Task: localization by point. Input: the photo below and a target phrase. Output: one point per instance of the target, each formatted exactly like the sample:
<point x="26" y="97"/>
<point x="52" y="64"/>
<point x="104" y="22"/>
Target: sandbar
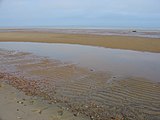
<point x="137" y="43"/>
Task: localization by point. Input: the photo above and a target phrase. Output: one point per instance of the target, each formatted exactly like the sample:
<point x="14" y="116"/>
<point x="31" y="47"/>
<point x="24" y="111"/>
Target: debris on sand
<point x="134" y="31"/>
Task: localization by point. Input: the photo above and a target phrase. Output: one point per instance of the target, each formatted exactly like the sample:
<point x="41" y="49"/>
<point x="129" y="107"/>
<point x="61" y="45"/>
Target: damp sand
<point x="97" y="95"/>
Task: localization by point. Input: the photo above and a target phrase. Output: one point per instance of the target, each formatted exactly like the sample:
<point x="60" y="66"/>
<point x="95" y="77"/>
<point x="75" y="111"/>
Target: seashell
<point x="19" y="117"/>
<point x="37" y="111"/>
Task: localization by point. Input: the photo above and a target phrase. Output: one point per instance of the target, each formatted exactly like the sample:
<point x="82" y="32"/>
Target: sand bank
<point x="97" y="95"/>
<point x="116" y="42"/>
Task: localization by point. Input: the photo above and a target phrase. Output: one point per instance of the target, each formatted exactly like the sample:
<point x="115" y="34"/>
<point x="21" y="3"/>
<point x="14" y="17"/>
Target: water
<point x="118" y="62"/>
<point x="140" y="32"/>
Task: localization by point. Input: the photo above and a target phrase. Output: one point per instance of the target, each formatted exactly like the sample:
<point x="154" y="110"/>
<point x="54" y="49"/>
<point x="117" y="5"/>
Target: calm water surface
<point x="118" y="62"/>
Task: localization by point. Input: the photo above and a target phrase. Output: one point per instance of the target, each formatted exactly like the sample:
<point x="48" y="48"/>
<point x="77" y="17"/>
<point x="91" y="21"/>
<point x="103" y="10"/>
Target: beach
<point x="15" y="105"/>
<point x="117" y="41"/>
<point x="46" y="88"/>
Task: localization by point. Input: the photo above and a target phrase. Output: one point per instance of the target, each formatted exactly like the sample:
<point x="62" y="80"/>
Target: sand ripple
<point x="96" y="94"/>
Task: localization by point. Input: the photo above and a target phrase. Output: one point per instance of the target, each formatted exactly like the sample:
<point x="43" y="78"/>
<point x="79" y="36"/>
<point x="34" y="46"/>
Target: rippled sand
<point x="83" y="91"/>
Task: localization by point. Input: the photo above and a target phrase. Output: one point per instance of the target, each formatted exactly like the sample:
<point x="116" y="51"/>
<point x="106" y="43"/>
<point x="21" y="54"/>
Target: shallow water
<point x="118" y="62"/>
<point x="150" y="33"/>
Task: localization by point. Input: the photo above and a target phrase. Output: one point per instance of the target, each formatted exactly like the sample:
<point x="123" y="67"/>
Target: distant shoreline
<point x="137" y="32"/>
<point x="80" y="27"/>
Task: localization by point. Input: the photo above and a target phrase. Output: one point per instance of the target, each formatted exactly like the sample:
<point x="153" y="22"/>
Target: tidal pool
<point x="116" y="61"/>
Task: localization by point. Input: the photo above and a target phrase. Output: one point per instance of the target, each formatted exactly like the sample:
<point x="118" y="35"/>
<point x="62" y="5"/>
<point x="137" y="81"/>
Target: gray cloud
<point x="79" y="12"/>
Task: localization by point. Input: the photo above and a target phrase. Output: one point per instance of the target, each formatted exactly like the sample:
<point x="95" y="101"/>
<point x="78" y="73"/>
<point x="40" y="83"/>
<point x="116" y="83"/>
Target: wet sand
<point x="79" y="37"/>
<point x="30" y="83"/>
<point x="15" y="105"/>
<point x="98" y="95"/>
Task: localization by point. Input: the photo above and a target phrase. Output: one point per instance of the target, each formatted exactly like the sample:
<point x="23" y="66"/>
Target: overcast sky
<point x="91" y="13"/>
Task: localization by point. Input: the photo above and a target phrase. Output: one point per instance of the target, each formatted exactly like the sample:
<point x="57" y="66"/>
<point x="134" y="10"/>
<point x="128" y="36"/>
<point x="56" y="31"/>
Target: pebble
<point x="86" y="106"/>
<point x="20" y="102"/>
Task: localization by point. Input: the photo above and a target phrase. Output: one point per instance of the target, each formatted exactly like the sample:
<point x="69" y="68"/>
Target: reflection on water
<point x="119" y="62"/>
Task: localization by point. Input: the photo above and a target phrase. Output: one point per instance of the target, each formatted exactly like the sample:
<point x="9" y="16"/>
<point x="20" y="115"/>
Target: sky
<point x="80" y="13"/>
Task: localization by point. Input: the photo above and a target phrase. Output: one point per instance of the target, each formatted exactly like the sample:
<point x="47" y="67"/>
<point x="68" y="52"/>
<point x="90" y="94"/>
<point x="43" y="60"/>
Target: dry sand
<point x="117" y="42"/>
<point x="97" y="95"/>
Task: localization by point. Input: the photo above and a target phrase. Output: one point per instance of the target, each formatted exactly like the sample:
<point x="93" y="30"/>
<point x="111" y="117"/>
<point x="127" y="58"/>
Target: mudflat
<point x="87" y="94"/>
<point x="109" y="41"/>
